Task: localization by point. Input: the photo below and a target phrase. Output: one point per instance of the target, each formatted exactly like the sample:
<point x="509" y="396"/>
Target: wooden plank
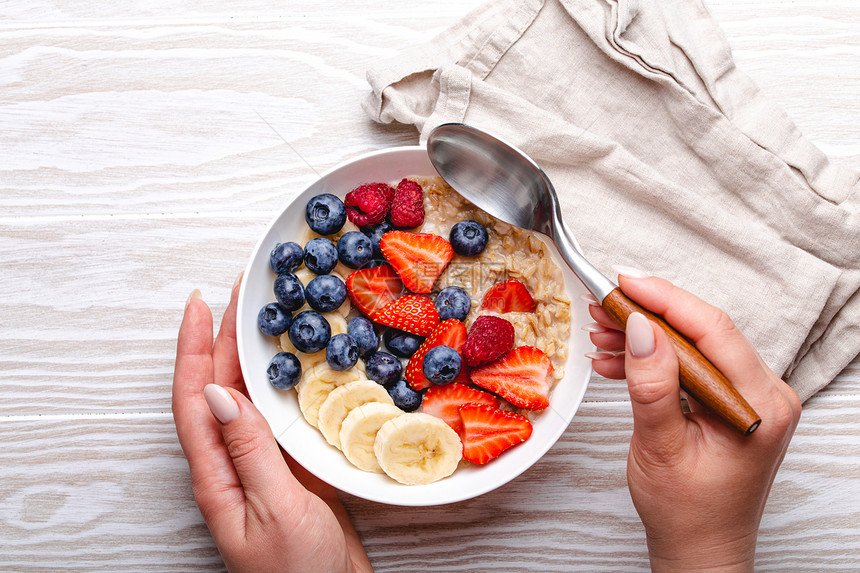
<point x="144" y="152"/>
<point x="111" y="492"/>
<point x="98" y="493"/>
<point x="95" y="328"/>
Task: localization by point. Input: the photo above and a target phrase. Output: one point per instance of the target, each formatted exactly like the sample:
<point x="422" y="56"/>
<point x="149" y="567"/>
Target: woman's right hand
<point x="699" y="486"/>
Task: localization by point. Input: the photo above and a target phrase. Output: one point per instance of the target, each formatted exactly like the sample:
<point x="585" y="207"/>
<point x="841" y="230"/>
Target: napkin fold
<point x="665" y="156"/>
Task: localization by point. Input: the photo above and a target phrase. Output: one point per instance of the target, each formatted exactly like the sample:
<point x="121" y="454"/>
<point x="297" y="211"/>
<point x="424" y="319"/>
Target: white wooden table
<point x="143" y="150"/>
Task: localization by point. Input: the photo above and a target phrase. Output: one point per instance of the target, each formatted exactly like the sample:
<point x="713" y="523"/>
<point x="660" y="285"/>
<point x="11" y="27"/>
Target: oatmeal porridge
<point x="415" y="403"/>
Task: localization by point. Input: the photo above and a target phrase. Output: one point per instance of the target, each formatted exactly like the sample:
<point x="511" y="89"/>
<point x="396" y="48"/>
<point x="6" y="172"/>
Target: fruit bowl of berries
<point x="403" y="345"/>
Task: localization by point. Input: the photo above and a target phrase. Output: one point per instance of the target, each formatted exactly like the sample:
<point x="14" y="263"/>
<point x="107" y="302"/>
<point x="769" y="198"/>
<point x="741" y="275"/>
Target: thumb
<point x="651" y="367"/>
<point x="258" y="461"/>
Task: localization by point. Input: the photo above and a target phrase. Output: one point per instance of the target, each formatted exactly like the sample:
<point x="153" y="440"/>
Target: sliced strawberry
<point x="522" y="377"/>
<point x="418" y="258"/>
<point x="489" y="338"/>
<point x="508" y="296"/>
<point x="449" y="332"/>
<point x="445" y="401"/>
<point x="488" y="431"/>
<point x="413" y="313"/>
<point x="372" y="289"/>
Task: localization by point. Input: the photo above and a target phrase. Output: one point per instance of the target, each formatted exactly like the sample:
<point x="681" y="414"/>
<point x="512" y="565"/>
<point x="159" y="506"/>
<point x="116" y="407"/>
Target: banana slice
<point x="341" y="400"/>
<point x="338" y="326"/>
<point x="358" y="433"/>
<point x="342" y="270"/>
<point x="305" y="275"/>
<point x="317" y="383"/>
<point x="417" y="449"/>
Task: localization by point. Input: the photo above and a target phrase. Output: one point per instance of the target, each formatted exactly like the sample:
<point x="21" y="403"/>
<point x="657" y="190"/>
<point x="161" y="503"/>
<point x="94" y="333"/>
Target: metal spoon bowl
<point x="507" y="184"/>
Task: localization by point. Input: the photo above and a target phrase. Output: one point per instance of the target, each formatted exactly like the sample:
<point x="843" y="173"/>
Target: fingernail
<point x="194" y="294"/>
<point x="238" y="280"/>
<point x="595" y="328"/>
<point x="630" y="272"/>
<point x="599" y="355"/>
<point x="221" y="403"/>
<point x="640" y="336"/>
<point x="589" y="298"/>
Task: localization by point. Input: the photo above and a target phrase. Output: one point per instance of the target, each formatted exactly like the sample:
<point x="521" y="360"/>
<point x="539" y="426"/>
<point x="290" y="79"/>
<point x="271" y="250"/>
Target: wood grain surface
<point x="144" y="146"/>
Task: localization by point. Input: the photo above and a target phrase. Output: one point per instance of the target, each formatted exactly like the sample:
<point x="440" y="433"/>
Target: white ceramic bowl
<point x="305" y="443"/>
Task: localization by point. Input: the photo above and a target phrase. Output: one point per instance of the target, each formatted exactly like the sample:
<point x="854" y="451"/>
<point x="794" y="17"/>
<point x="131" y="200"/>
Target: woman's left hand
<point x="265" y="512"/>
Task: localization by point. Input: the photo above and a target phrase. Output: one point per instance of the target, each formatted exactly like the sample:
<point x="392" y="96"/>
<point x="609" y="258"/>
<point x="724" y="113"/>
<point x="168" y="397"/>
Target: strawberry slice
<point x="522" y="377"/>
<point x="449" y="332"/>
<point x="372" y="289"/>
<point x="508" y="296"/>
<point x="445" y="401"/>
<point x="413" y="313"/>
<point x="488" y="431"/>
<point x="418" y="258"/>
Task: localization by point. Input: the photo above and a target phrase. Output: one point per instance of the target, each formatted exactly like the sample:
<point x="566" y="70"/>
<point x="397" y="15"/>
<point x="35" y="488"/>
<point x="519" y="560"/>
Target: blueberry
<point x="354" y="249"/>
<point x="309" y="331"/>
<point x="375" y="233"/>
<point x="403" y="396"/>
<point x="402" y="344"/>
<point x="383" y="367"/>
<point x="341" y="352"/>
<point x="284" y="371"/>
<point x="453" y="302"/>
<point x="325" y="214"/>
<point x="325" y="293"/>
<point x="362" y="331"/>
<point x="468" y="238"/>
<point x="289" y="291"/>
<point x="442" y="364"/>
<point x="286" y="257"/>
<point x="320" y="255"/>
<point x="274" y="320"/>
<point x="374" y="263"/>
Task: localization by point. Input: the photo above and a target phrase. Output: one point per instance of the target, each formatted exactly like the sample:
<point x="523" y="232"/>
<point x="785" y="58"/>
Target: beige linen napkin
<point x="665" y="157"/>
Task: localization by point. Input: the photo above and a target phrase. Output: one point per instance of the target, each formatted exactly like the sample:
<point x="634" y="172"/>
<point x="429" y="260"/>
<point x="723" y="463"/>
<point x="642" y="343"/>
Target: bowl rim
<point x="438" y="495"/>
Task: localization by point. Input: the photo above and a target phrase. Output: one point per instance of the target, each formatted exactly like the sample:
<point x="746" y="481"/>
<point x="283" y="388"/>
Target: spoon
<point x="507" y="184"/>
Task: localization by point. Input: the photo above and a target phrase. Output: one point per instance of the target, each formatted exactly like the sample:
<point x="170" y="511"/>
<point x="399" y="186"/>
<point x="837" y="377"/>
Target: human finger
<point x="714" y="333"/>
<point x="198" y="433"/>
<point x="710" y="329"/>
<point x="651" y="367"/>
<point x="602" y="317"/>
<point x="608" y="364"/>
<point x="604" y="338"/>
<point x="228" y="371"/>
<point x="255" y="455"/>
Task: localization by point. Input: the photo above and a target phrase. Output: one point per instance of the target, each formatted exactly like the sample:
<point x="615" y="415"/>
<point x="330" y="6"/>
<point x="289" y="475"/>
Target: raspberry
<point x="368" y="204"/>
<point x="489" y="338"/>
<point x="407" y="208"/>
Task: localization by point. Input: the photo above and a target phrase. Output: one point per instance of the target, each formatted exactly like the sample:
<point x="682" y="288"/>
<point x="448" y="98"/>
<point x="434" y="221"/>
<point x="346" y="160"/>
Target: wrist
<point x="683" y="566"/>
<point x="673" y="556"/>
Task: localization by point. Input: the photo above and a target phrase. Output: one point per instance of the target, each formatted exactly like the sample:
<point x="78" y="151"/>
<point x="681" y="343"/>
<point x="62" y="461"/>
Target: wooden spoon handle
<point x="699" y="377"/>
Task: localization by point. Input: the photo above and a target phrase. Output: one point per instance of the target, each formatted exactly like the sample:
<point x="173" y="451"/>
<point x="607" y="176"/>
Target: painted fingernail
<point x="589" y="298"/>
<point x="221" y="403"/>
<point x="595" y="328"/>
<point x="630" y="272"/>
<point x="600" y="355"/>
<point x="194" y="294"/>
<point x="640" y="336"/>
<point x="238" y="280"/>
